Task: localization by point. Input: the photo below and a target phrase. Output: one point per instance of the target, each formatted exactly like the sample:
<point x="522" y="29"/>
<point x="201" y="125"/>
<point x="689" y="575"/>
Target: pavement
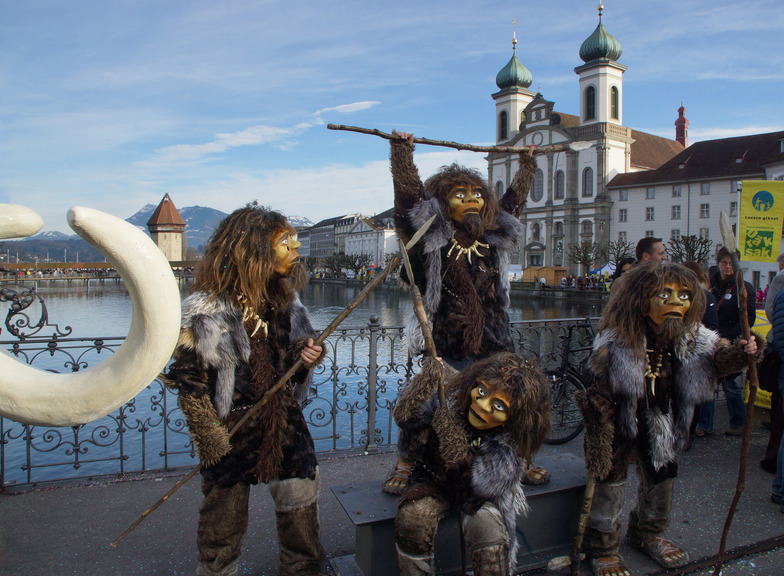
<point x="67" y="528"/>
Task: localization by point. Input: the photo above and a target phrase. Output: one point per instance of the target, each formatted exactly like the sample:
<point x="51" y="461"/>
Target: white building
<point x="373" y="237"/>
<point x="569" y="200"/>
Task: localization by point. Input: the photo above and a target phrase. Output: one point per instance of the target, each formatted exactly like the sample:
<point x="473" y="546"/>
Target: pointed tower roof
<point x="166" y="214"/>
<point x="514" y="74"/>
<point x="601" y="45"/>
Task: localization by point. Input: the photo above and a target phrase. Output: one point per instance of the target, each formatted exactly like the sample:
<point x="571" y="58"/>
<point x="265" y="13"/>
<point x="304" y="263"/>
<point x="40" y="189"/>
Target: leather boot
<point x="411" y="565"/>
<point x="491" y="560"/>
<point x="603" y="530"/>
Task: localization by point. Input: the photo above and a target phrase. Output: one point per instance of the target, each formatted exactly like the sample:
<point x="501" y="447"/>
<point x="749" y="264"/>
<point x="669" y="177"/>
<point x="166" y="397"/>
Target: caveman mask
<point x="672" y="300"/>
<point x="285" y="246"/>
<point x="465" y="199"/>
<point x="489" y="407"/>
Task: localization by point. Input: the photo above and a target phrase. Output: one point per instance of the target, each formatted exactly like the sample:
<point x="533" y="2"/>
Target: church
<point x="621" y="184"/>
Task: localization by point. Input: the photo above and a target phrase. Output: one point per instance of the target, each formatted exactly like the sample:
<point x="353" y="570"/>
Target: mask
<point x="489" y="407"/>
<point x="285" y="247"/>
<point x="465" y="199"/>
<point x="671" y="301"/>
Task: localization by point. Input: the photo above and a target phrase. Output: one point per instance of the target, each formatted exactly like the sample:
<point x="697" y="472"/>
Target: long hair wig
<point x="629" y="304"/>
<point x="525" y="385"/>
<point x="440" y="184"/>
<point x="240" y="258"/>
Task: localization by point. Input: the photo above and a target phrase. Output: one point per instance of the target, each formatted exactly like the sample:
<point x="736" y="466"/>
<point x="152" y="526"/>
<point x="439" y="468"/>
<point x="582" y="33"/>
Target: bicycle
<point x="566" y="380"/>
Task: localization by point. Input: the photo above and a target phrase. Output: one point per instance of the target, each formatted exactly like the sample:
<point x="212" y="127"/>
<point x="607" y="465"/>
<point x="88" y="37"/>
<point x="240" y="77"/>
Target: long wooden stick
<point x="278" y="385"/>
<point x="582" y="522"/>
<point x="729" y="241"/>
<point x="459" y="146"/>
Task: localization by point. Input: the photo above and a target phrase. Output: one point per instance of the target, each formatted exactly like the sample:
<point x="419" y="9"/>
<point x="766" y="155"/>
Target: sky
<point x="111" y="104"/>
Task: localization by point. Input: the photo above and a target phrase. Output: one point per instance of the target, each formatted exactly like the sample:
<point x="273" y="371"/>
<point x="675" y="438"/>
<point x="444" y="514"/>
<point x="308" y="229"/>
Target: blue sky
<point x="113" y="103"/>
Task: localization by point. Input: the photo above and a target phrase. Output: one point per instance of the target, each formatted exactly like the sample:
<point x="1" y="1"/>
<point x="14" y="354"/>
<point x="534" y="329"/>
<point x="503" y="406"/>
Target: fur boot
<point x="651" y="516"/>
<point x="603" y="531"/>
<point x="491" y="560"/>
<point x="296" y="513"/>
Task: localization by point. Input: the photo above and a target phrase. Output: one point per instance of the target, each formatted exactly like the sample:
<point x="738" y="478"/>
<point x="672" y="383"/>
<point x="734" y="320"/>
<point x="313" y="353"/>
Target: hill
<point x="58" y="247"/>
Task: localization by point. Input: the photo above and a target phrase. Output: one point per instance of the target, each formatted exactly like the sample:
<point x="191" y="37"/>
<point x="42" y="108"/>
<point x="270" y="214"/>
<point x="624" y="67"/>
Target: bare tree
<point x="584" y="253"/>
<point x="690" y="247"/>
<point x="619" y="250"/>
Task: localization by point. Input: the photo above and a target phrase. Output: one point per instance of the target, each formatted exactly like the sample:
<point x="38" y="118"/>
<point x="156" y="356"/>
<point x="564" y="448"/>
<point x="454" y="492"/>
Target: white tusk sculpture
<point x="33" y="396"/>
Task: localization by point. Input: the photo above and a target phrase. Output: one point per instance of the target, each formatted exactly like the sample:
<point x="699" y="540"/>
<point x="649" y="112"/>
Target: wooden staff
<point x="728" y="238"/>
<point x="576" y="146"/>
<point x="377" y="279"/>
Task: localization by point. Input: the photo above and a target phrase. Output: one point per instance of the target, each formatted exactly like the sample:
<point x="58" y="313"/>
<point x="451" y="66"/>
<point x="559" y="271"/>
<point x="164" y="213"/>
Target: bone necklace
<point x="474" y="248"/>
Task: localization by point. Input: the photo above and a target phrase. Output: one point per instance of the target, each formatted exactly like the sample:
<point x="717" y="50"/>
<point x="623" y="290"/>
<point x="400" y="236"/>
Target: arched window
<point x="588" y="182"/>
<point x="590" y="103"/>
<point x="558" y="229"/>
<point x="537" y="188"/>
<point x="586" y="227"/>
<point x="535" y="232"/>
<point x="499" y="188"/>
<point x="503" y="126"/>
<point x="559" y="185"/>
<point x="614" y="103"/>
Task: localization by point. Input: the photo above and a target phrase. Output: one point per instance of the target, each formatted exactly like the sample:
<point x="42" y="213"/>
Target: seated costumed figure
<point x="243" y="326"/>
<point x="652" y="363"/>
<point x="470" y="458"/>
<point x="461" y="265"/>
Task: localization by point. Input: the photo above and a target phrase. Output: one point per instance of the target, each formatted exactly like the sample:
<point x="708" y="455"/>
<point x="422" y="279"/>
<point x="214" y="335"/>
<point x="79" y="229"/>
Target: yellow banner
<point x="760" y="220"/>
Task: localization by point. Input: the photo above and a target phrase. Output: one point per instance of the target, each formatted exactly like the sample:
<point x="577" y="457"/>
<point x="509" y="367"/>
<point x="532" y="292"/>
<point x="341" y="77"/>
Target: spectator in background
<point x="711" y="321"/>
<point x="650" y="248"/>
<point x="776" y="336"/>
<point x="726" y="294"/>
<point x="774" y="287"/>
<point x="768" y="463"/>
<point x="622" y="266"/>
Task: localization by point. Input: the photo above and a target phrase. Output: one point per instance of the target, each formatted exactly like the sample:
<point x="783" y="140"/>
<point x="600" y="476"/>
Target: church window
<point x="499" y="188"/>
<point x="537" y="188"/>
<point x="558" y="229"/>
<point x="590" y="103"/>
<point x="559" y="185"/>
<point x="587" y="182"/>
<point x="586" y="227"/>
<point x="503" y="126"/>
<point x="614" y="103"/>
<point x="535" y="234"/>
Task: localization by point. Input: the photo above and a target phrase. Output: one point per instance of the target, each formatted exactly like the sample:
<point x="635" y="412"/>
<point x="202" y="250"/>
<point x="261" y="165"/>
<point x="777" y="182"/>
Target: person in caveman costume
<point x="652" y="363"/>
<point x="461" y="267"/>
<point x="242" y="327"/>
<point x="497" y="414"/>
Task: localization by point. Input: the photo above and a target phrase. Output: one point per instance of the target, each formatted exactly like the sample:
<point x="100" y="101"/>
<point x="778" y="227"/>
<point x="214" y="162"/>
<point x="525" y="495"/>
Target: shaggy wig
<point x="240" y="258"/>
<point x="529" y="396"/>
<point x="630" y="302"/>
<point x="440" y="184"/>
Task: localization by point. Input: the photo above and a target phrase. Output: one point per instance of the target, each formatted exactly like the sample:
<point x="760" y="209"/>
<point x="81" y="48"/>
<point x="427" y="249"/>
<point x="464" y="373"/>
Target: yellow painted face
<point x="465" y="199"/>
<point x="489" y="407"/>
<point x="671" y="301"/>
<point x="285" y="246"/>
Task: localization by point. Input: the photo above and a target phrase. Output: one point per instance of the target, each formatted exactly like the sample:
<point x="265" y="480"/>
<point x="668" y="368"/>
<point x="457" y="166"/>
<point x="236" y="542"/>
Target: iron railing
<point x="349" y="404"/>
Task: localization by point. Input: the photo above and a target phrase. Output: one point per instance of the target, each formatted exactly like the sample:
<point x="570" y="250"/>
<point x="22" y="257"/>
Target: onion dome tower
<point x="513" y="96"/>
<point x="167" y="229"/>
<point x="601" y="77"/>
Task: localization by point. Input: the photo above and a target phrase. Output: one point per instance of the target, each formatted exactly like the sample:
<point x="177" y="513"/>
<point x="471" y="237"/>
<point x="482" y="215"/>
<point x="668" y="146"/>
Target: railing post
<point x="373" y="326"/>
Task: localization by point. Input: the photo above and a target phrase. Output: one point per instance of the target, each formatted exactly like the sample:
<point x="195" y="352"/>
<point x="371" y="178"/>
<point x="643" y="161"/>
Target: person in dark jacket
<point x="725" y="292"/>
<point x="777" y="320"/>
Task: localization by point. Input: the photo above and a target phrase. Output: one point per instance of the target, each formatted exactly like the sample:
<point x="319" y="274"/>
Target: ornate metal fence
<point x="349" y="404"/>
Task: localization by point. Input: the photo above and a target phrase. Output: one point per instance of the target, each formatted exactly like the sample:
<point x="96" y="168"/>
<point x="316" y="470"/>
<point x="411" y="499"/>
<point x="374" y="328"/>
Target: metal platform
<point x="546" y="532"/>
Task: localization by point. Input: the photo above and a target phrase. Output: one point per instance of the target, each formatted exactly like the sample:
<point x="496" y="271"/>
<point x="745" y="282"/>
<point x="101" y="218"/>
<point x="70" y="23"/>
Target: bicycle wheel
<point x="567" y="420"/>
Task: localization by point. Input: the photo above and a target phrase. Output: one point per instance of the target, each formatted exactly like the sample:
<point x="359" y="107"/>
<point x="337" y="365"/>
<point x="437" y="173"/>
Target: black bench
<point x="546" y="532"/>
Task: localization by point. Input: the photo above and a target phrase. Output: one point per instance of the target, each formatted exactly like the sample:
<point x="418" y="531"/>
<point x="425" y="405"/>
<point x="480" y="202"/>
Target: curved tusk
<point x="18" y="221"/>
<point x="33" y="396"/>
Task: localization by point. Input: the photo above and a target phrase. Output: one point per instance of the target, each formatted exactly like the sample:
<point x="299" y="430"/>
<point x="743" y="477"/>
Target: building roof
<point x="725" y="158"/>
<point x="166" y="214"/>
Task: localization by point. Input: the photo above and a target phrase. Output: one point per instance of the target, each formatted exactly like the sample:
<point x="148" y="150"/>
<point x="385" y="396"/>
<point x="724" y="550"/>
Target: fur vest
<point x="694" y="381"/>
<point x="502" y="241"/>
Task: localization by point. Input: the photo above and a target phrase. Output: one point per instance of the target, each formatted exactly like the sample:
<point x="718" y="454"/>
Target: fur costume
<point x="476" y="471"/>
<point x="635" y="410"/>
<point x="466" y="299"/>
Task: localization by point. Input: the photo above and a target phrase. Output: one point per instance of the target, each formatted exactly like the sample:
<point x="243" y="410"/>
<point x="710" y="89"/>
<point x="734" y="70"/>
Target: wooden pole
<point x="459" y="146"/>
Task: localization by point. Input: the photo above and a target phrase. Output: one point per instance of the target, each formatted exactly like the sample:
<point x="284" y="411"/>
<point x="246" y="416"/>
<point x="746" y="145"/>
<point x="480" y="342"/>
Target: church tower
<point x="682" y="127"/>
<point x="167" y="229"/>
<point x="513" y="96"/>
<point x="601" y="78"/>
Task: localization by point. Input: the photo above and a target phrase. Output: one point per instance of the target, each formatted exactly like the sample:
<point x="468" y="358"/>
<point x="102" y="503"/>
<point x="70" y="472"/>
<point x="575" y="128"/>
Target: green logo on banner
<point x="759" y="243"/>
